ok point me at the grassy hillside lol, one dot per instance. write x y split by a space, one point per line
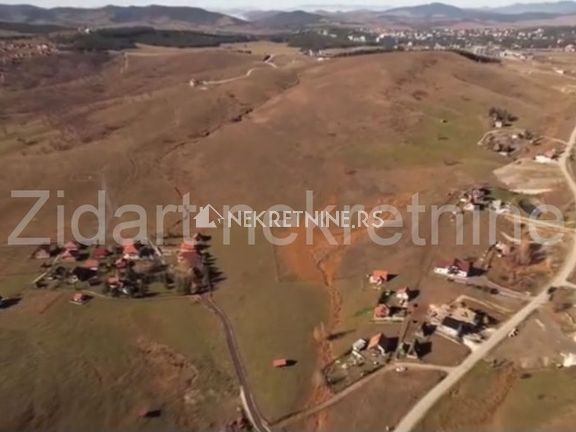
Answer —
221 124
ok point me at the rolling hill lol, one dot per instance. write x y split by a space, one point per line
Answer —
561 7
427 11
290 20
444 12
157 16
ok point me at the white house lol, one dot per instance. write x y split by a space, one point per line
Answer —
457 268
543 159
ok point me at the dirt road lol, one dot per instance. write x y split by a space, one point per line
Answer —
419 410
269 62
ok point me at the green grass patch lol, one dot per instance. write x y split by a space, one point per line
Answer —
441 136
363 312
538 399
86 367
272 320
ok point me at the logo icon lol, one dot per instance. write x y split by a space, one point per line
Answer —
208 217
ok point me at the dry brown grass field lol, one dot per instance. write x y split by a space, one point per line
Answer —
359 130
503 399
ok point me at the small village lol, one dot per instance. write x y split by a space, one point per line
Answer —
409 326
136 269
13 51
463 321
516 143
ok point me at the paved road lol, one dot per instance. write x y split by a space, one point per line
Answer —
252 411
418 411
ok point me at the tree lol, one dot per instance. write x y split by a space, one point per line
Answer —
183 282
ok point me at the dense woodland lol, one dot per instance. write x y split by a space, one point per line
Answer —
128 37
24 28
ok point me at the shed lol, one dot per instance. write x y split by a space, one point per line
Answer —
280 363
79 299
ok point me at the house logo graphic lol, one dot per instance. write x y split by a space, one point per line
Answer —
208 217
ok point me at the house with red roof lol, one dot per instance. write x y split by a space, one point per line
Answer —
378 277
382 311
378 343
129 249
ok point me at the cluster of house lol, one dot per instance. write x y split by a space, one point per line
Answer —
123 270
509 144
392 305
13 51
520 143
475 198
480 198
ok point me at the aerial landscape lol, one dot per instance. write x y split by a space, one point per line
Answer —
245 216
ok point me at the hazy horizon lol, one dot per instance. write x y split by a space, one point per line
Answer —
263 4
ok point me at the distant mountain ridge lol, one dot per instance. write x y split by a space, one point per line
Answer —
427 11
561 7
442 11
115 15
289 20
194 18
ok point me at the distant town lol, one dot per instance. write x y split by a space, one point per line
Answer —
494 42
